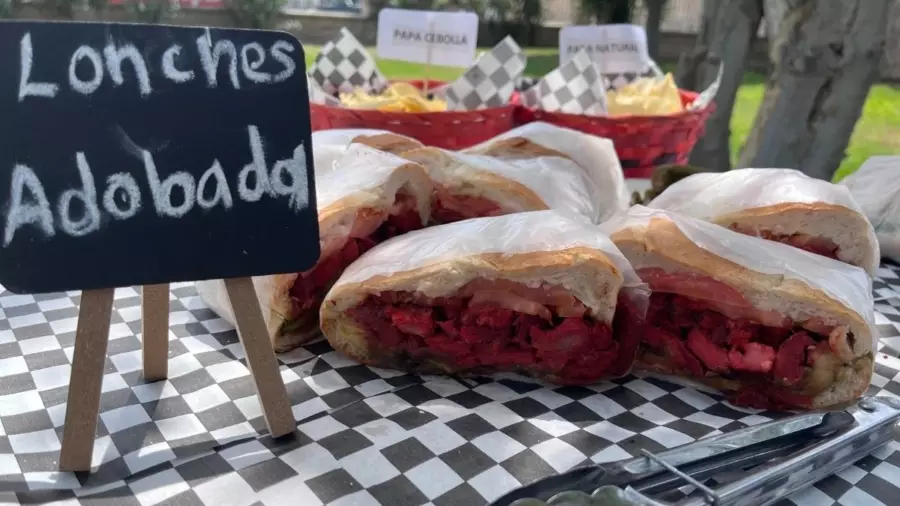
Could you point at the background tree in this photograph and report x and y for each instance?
(99, 7)
(254, 13)
(59, 9)
(607, 11)
(825, 58)
(655, 10)
(152, 11)
(727, 32)
(9, 8)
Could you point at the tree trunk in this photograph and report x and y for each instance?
(726, 35)
(654, 22)
(826, 57)
(620, 12)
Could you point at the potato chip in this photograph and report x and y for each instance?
(398, 97)
(649, 96)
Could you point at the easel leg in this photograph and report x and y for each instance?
(155, 331)
(260, 356)
(91, 339)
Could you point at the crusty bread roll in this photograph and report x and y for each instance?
(329, 146)
(392, 307)
(779, 204)
(595, 155)
(704, 279)
(471, 186)
(371, 196)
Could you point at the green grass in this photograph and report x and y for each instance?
(876, 133)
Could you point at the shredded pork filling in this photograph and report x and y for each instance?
(449, 207)
(710, 330)
(501, 326)
(818, 245)
(370, 228)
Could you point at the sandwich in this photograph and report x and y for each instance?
(782, 205)
(473, 186)
(595, 155)
(329, 146)
(773, 326)
(876, 188)
(370, 197)
(538, 293)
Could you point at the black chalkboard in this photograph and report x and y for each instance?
(169, 108)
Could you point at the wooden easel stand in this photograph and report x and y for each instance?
(92, 338)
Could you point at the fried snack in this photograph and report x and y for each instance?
(398, 97)
(648, 96)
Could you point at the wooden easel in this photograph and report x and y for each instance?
(92, 337)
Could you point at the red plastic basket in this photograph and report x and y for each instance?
(449, 130)
(642, 142)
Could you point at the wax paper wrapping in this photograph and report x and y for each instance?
(845, 283)
(511, 234)
(362, 172)
(329, 146)
(875, 186)
(560, 183)
(344, 64)
(711, 195)
(594, 154)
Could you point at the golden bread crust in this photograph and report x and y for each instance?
(479, 183)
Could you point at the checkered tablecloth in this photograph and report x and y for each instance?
(366, 437)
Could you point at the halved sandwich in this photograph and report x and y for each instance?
(535, 292)
(771, 325)
(782, 205)
(595, 155)
(329, 146)
(371, 197)
(473, 186)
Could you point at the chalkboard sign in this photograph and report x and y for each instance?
(136, 155)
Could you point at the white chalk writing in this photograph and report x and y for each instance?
(114, 58)
(79, 213)
(79, 85)
(26, 87)
(130, 194)
(171, 72)
(90, 67)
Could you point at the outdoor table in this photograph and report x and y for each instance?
(366, 436)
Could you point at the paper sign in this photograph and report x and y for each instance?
(615, 48)
(120, 165)
(438, 38)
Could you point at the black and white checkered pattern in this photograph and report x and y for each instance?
(344, 65)
(319, 96)
(367, 436)
(575, 87)
(490, 82)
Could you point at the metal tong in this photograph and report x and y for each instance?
(786, 455)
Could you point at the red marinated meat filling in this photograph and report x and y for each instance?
(712, 331)
(502, 327)
(371, 227)
(450, 207)
(818, 245)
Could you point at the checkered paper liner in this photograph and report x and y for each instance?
(490, 82)
(575, 87)
(344, 65)
(366, 436)
(579, 87)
